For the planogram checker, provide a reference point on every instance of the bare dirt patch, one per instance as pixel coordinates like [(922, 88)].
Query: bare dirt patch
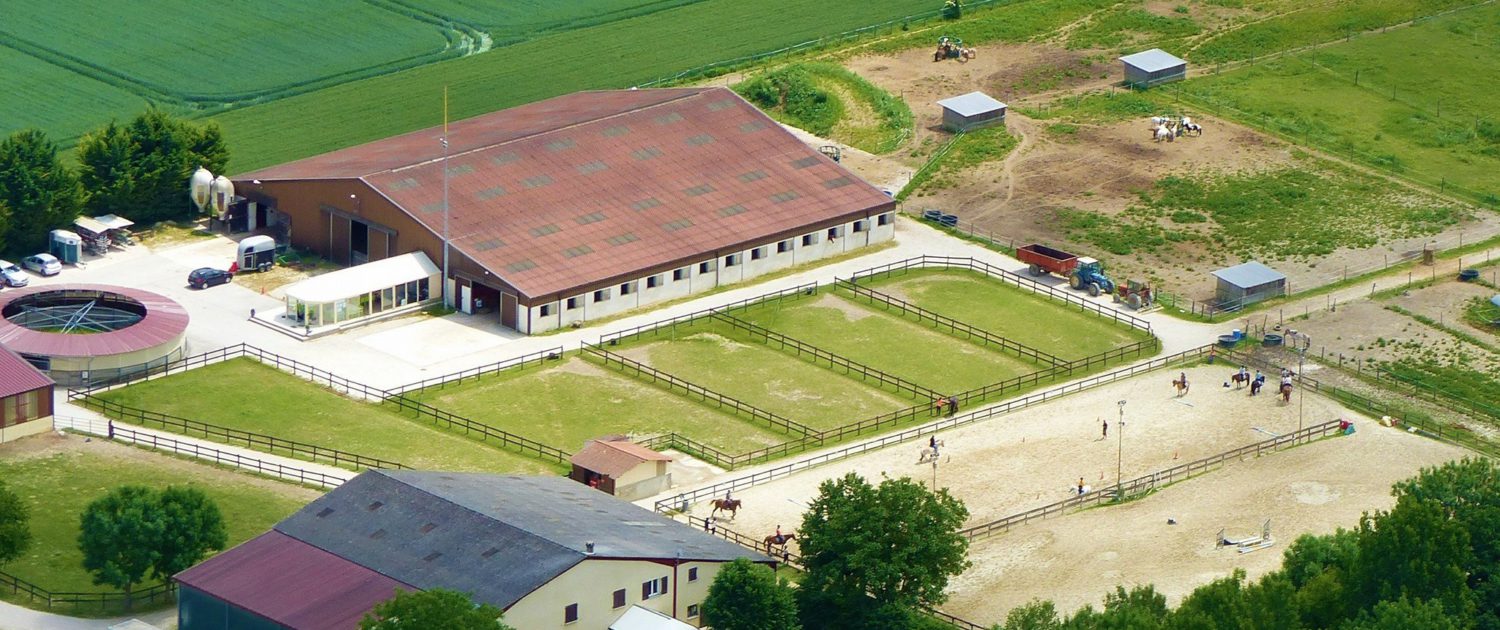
[(852, 312), (1035, 456), (1075, 559)]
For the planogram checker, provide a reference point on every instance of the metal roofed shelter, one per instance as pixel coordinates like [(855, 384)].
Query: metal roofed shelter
[(25, 397), (1248, 283), (341, 297), (621, 468), (1153, 67), (971, 111), (585, 205), (532, 546)]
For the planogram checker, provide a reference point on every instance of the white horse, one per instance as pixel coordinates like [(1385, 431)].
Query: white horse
[(1162, 133), (929, 453), (1157, 121), (1193, 128)]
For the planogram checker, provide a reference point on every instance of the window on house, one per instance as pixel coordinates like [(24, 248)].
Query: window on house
[(620, 598), (705, 267), (654, 588), (679, 274), (692, 611), (570, 613), (809, 240), (757, 253), (693, 574), (546, 310), (601, 295), (884, 219), (859, 226), (574, 302), (653, 281), (784, 246), (627, 288), (731, 260)]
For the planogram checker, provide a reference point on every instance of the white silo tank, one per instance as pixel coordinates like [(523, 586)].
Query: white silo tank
[(198, 187), (221, 192)]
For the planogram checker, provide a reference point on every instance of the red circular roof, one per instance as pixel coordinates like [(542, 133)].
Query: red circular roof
[(164, 322)]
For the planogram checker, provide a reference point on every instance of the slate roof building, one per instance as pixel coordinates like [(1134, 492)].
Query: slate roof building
[(1153, 67), (549, 552), (1248, 283), (25, 397), (584, 205)]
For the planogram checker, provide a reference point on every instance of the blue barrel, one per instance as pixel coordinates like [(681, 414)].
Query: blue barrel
[(1271, 340), (950, 220), (1468, 275), (932, 215)]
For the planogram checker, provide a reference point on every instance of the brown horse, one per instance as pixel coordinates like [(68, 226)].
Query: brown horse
[(779, 541), (732, 506), (1286, 392), (1240, 379), (1181, 383)]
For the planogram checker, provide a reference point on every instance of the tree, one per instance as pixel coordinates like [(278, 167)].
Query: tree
[(1037, 614), (1470, 491), (1140, 608), (953, 9), (15, 531), (119, 535), (141, 169), (1211, 604), (435, 608), (896, 544), (40, 193), (1317, 568), (1405, 614), (192, 526), (749, 596), (1414, 551)]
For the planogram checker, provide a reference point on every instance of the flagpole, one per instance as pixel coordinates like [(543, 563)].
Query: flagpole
[(447, 295)]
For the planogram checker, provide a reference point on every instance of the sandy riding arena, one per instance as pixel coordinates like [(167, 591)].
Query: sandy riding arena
[(1073, 560), (1035, 456)]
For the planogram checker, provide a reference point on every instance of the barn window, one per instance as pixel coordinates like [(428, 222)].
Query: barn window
[(884, 219), (808, 240), (732, 260), (693, 574), (706, 266), (784, 246), (653, 281), (570, 613), (835, 232), (601, 295), (757, 253), (859, 226), (654, 588), (546, 310), (692, 611), (620, 598), (679, 274), (627, 288), (574, 302)]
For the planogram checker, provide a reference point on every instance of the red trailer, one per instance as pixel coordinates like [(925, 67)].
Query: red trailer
[(1045, 259)]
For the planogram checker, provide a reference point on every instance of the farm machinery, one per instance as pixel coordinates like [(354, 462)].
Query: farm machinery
[(952, 48), (832, 151), (1083, 273), (1136, 294)]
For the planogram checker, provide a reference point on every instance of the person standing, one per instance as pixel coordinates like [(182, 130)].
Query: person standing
[(1105, 425)]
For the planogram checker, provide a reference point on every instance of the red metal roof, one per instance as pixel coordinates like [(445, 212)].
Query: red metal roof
[(17, 376), (566, 193), (292, 583), (614, 457), (165, 320)]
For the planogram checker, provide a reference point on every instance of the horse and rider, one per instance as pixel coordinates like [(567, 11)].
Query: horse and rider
[(728, 504)]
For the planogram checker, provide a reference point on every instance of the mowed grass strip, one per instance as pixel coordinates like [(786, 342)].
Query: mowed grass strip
[(708, 354), (57, 477), (566, 403), (1018, 315), (247, 395), (890, 344)]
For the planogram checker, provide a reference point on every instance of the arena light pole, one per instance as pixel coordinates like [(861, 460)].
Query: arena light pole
[(1120, 453), (447, 295), (1301, 388)]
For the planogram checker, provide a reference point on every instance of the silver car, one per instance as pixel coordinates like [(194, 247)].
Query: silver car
[(45, 264), (11, 276)]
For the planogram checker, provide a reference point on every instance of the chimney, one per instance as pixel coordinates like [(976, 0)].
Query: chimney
[(588, 548)]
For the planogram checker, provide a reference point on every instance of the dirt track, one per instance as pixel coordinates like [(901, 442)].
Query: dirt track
[(1034, 457), (1075, 559)]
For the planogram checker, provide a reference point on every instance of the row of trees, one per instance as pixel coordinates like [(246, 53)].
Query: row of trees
[(139, 170)]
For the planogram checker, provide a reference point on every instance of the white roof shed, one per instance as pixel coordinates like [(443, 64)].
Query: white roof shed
[(373, 276), (971, 111)]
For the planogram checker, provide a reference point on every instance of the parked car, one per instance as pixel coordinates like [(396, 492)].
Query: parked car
[(11, 276), (45, 264), (205, 277)]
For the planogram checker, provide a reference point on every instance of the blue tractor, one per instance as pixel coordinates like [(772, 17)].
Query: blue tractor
[(1089, 275)]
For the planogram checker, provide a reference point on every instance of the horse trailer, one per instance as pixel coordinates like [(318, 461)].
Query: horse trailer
[(256, 253)]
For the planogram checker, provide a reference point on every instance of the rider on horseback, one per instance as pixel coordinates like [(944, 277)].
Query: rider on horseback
[(780, 540), (932, 443)]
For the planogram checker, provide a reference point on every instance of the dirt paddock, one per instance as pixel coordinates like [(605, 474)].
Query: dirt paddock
[(1035, 456), (1074, 560)]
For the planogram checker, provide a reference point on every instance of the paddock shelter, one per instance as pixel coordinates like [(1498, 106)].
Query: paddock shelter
[(971, 111), (1152, 68), (582, 206), (25, 397), (1248, 283)]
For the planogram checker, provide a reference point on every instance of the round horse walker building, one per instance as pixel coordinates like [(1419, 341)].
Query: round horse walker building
[(91, 333)]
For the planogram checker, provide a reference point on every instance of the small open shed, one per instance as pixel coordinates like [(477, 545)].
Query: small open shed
[(621, 468), (1153, 67), (1248, 283), (971, 111)]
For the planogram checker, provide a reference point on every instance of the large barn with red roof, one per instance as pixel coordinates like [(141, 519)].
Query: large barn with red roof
[(582, 206)]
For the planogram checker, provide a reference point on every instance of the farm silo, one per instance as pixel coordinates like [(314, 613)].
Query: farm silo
[(221, 194), (198, 187)]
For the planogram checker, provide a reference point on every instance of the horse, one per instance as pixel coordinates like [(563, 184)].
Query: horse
[(732, 506), (1286, 392), (1181, 383), (779, 541), (1193, 128), (1240, 379), (1255, 386), (1162, 133), (929, 453)]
